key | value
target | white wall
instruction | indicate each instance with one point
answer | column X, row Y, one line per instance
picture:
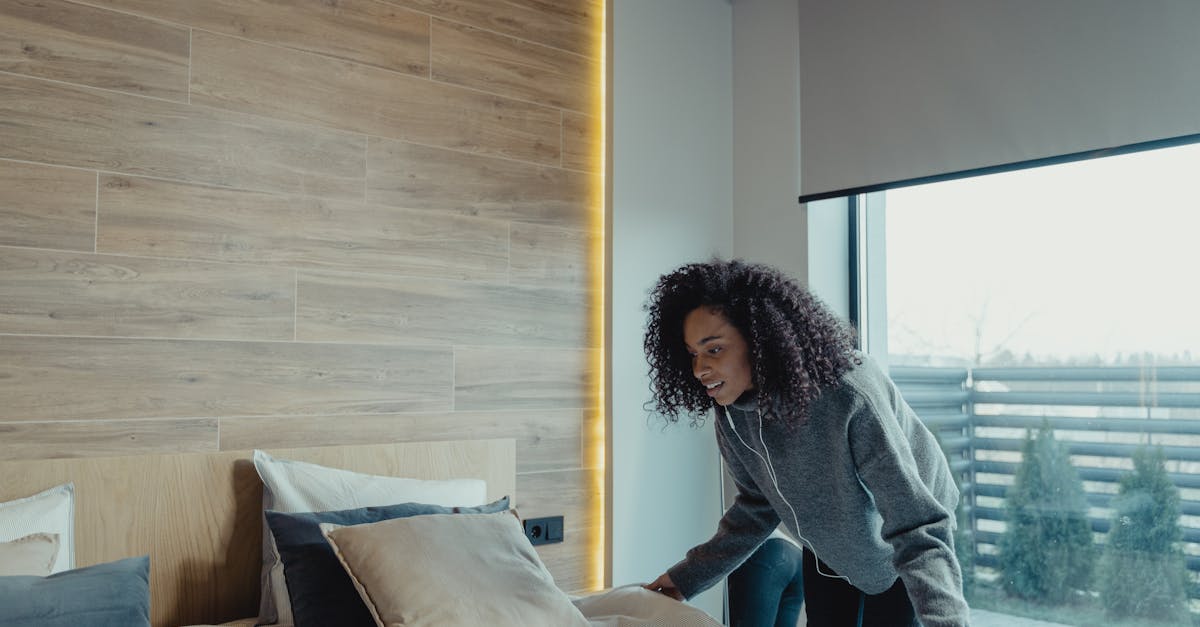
column 671, row 170
column 769, row 224
column 705, row 160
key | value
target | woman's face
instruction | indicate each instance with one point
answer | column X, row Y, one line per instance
column 720, row 357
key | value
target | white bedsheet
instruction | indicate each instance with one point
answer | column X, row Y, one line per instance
column 627, row 606
column 634, row 606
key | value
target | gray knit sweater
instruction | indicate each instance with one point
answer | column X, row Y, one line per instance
column 872, row 494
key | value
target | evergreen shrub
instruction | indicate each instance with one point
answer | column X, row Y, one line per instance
column 1046, row 554
column 1143, row 573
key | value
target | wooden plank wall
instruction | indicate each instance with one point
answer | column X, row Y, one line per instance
column 228, row 224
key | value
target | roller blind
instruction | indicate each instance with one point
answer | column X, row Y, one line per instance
column 901, row 92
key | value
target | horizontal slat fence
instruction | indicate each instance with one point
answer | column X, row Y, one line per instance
column 1101, row 414
column 941, row 398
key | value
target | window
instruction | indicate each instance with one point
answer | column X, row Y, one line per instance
column 1046, row 315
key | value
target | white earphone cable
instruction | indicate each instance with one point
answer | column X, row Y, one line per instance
column 775, row 481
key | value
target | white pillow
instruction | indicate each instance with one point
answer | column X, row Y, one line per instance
column 291, row 486
column 451, row 569
column 51, row 511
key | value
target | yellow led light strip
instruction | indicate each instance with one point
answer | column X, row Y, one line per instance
column 596, row 424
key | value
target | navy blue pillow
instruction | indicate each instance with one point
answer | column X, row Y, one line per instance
column 319, row 588
column 113, row 594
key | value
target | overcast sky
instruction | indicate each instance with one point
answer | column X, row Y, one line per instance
column 1100, row 256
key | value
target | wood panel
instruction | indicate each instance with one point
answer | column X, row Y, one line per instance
column 572, row 494
column 514, row 378
column 46, row 440
column 366, row 31
column 582, row 142
column 544, row 255
column 566, row 493
column 47, row 207
column 57, row 293
column 198, row 516
column 70, row 42
column 87, row 128
column 303, row 87
column 487, row 61
column 572, row 563
column 594, row 440
column 203, row 534
column 141, row 216
column 420, row 177
column 181, row 180
column 546, row 439
column 339, row 307
column 574, row 25
column 130, row 378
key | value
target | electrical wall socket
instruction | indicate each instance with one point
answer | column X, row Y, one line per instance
column 544, row 530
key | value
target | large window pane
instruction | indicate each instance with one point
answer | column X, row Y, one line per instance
column 1094, row 262
column 1063, row 301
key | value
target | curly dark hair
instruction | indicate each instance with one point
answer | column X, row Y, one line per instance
column 797, row 346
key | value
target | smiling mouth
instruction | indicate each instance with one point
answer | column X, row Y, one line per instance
column 713, row 388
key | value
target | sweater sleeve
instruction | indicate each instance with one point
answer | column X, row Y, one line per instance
column 916, row 524
column 745, row 525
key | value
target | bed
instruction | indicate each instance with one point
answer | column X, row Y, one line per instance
column 199, row 519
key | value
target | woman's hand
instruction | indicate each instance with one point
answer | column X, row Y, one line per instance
column 664, row 585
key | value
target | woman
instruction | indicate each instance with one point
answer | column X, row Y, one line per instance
column 817, row 437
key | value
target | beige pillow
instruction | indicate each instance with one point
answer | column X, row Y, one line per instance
column 49, row 511
column 31, row 555
column 451, row 569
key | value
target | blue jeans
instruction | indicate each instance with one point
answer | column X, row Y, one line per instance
column 767, row 590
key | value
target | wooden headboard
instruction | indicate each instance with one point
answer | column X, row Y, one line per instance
column 199, row 517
